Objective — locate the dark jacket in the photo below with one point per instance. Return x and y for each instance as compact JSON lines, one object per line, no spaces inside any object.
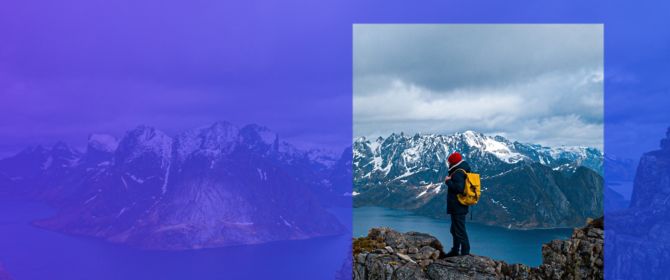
{"x":456,"y":186}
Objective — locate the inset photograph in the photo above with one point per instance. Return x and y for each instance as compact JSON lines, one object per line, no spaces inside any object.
{"x":479,"y":146}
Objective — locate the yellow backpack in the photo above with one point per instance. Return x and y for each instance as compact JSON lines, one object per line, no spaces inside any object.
{"x":472,"y":190}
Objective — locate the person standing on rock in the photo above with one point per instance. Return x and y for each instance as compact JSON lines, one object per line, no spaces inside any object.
{"x":455,"y":182}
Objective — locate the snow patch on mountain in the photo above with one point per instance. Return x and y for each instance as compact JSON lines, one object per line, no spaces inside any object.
{"x":146,"y":140}
{"x":166,"y":178}
{"x":47,"y":163}
{"x":492,"y":146}
{"x":138,"y":180}
{"x":431,"y":188}
{"x":399,"y":156}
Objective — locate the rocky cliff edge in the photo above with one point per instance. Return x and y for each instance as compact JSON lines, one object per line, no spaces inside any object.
{"x":388,"y":254}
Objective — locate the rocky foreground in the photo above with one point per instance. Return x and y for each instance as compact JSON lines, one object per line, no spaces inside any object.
{"x":388,"y":254}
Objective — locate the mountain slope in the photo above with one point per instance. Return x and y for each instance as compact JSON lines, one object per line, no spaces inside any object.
{"x":524,"y":185}
{"x":533,"y":196}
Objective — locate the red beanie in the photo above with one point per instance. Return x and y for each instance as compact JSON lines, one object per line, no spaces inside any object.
{"x":454,"y":158}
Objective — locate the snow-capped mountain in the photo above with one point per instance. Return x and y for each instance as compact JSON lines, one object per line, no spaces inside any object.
{"x":399,"y":156}
{"x":406,"y":172}
{"x":213,"y":186}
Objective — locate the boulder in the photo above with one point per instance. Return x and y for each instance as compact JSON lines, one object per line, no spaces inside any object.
{"x":580,"y":257}
{"x":465,"y":267}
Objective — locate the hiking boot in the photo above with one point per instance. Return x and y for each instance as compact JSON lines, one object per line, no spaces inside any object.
{"x":451,"y":253}
{"x":464,"y":254}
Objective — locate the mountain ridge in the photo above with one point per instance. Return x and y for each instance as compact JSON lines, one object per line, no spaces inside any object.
{"x":524,"y":185}
{"x":213,"y":186}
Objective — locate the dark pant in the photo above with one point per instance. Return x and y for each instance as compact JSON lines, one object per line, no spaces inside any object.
{"x":459,"y":235}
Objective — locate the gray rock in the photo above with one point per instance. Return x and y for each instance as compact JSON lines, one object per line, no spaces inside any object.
{"x":379,"y":251}
{"x":426,"y":252}
{"x":580,"y":257}
{"x":405,"y":258}
{"x":381,"y":266}
{"x":410,"y":270}
{"x":360,"y":258}
{"x":465,"y":267}
{"x":390,"y":237}
{"x":424,"y":263}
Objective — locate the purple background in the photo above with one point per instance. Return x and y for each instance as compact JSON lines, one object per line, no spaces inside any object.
{"x":70,"y":68}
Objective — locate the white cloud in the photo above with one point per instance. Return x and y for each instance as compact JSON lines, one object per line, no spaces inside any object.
{"x":559,"y":102}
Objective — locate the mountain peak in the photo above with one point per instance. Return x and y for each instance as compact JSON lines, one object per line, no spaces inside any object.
{"x":217,"y":139}
{"x":102,"y":142}
{"x":63,"y":151}
{"x":220,"y":132}
{"x":471,"y":133}
{"x":142,"y":140}
{"x":254,"y":133}
{"x":401,"y":157}
{"x":360,"y":139}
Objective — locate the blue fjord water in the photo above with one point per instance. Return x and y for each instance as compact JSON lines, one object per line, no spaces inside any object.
{"x":512,"y":246}
{"x":29,"y":252}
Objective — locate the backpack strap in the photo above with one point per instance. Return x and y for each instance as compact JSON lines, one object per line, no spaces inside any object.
{"x":464,"y":173}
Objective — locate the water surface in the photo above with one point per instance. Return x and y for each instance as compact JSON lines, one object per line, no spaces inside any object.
{"x":512,"y":246}
{"x":28,"y":252}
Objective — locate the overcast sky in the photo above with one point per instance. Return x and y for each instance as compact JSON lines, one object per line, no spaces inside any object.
{"x":75,"y":67}
{"x":533,"y":83}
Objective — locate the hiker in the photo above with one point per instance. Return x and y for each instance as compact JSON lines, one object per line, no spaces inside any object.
{"x":456,"y":184}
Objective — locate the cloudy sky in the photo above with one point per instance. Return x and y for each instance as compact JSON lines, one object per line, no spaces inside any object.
{"x":533,"y":83}
{"x":75,"y":67}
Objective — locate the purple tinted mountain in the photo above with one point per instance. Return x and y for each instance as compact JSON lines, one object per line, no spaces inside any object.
{"x":39,"y":166}
{"x":620,"y":169}
{"x":213,"y":186}
{"x":524,"y":185}
{"x":638,"y":237}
